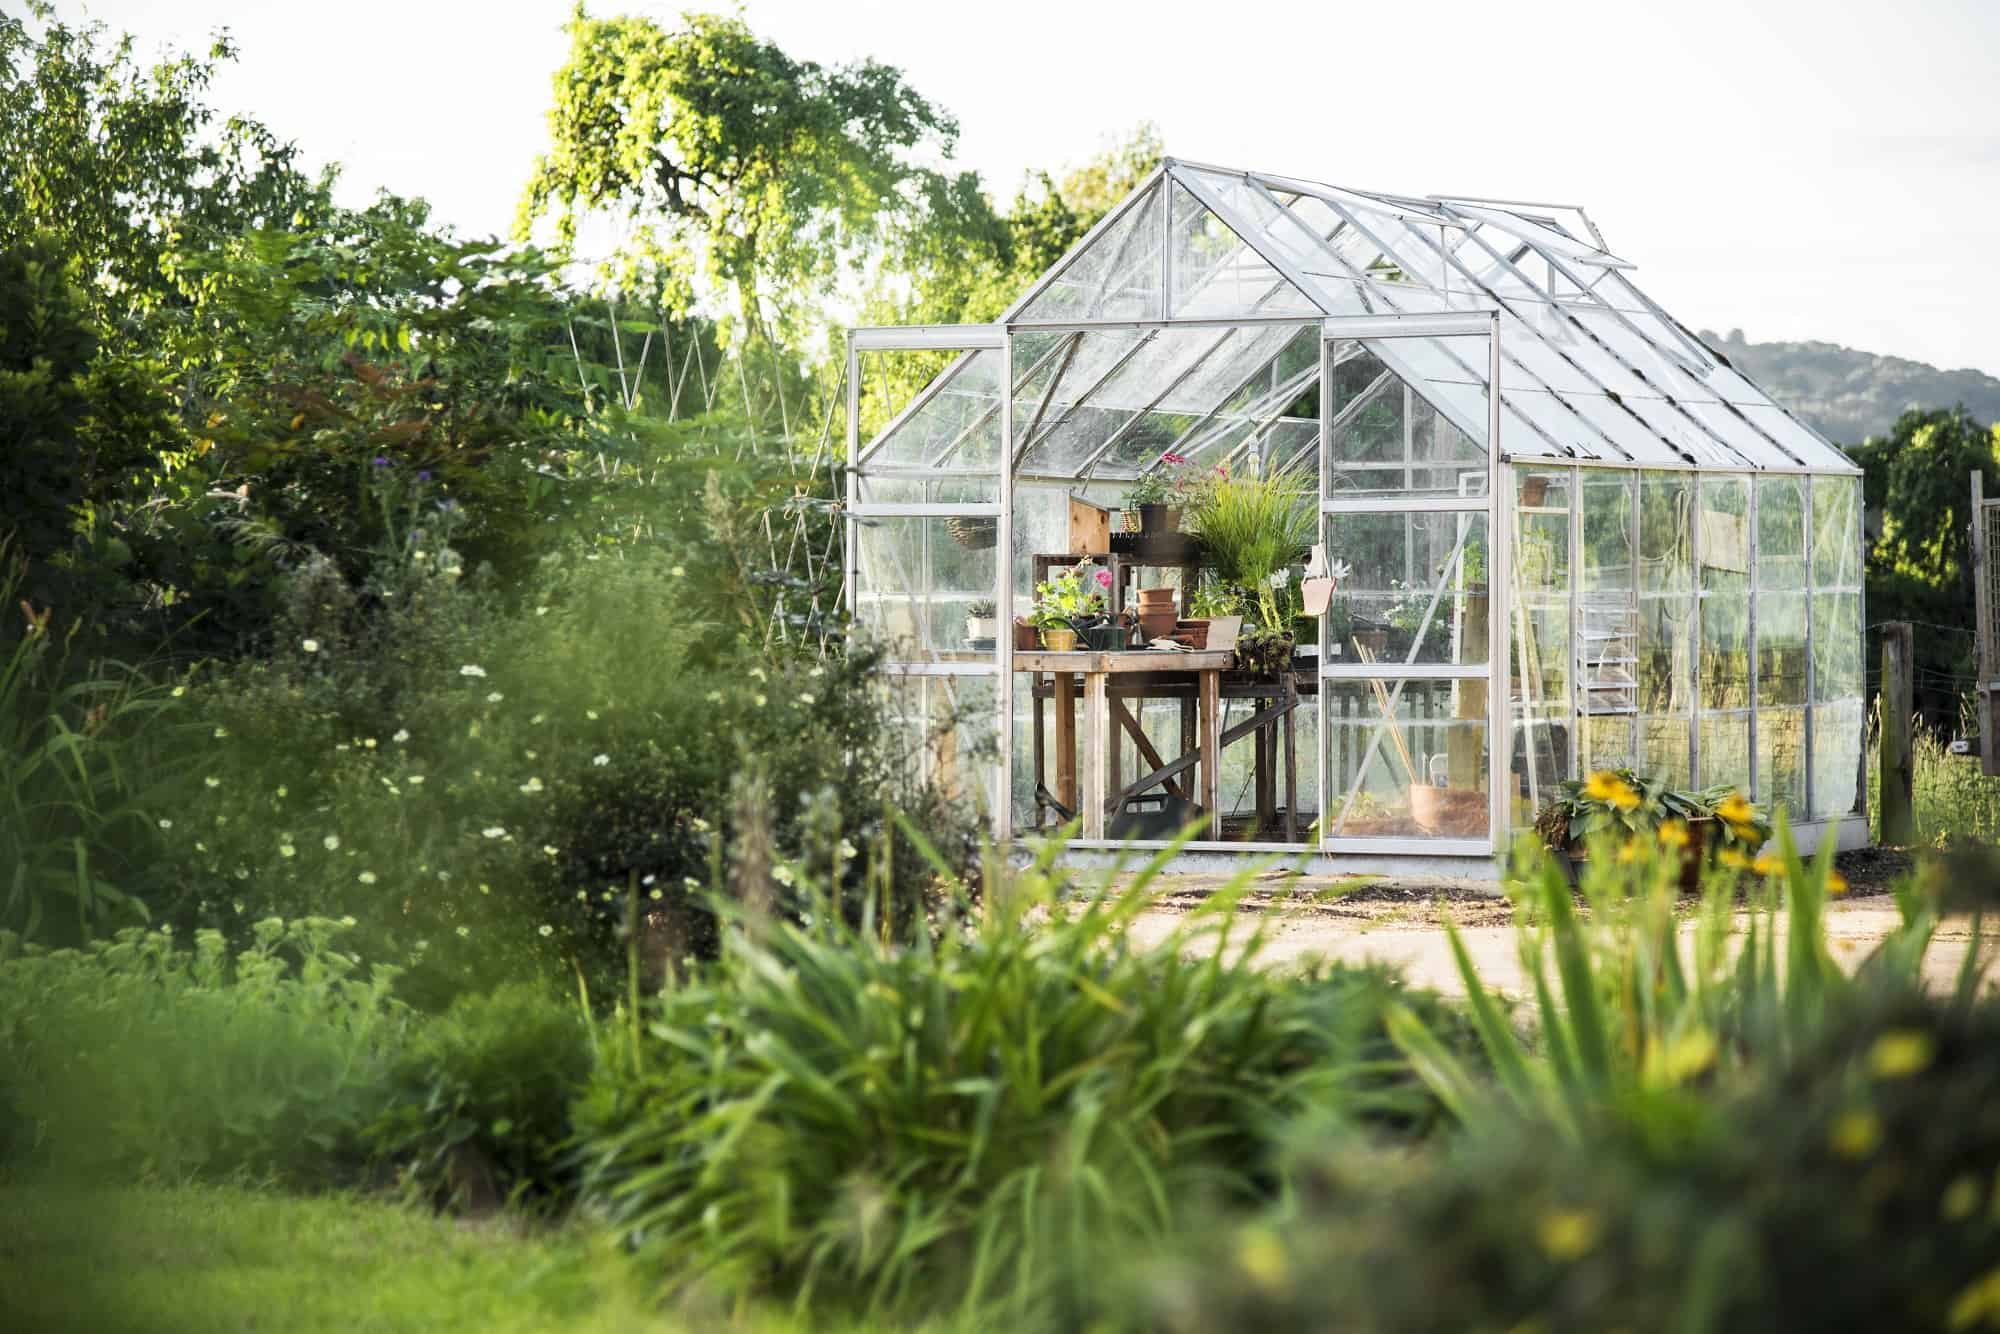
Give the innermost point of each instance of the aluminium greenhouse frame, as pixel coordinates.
(1465, 354)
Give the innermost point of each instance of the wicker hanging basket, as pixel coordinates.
(973, 534)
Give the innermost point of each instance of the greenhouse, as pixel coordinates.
(1546, 531)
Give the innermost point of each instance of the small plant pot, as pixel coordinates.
(1059, 639)
(1196, 633)
(1534, 490)
(981, 627)
(1159, 519)
(1024, 636)
(1129, 521)
(1694, 855)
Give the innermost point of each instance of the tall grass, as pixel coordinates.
(1954, 801)
(81, 783)
(961, 1119)
(1628, 1008)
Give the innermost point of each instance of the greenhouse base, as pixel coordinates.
(1230, 858)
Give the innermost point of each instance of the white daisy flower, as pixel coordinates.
(472, 669)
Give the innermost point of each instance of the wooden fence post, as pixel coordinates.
(1899, 810)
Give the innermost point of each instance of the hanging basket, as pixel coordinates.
(973, 534)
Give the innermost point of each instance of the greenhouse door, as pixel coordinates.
(928, 520)
(1409, 645)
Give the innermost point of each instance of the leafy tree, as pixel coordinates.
(116, 162)
(732, 160)
(1920, 564)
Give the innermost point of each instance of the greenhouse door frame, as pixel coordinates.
(1496, 507)
(966, 339)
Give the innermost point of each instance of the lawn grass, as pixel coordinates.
(218, 1258)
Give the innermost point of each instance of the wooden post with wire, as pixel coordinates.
(1898, 800)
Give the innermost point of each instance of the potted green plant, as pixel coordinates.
(1168, 489)
(981, 623)
(1255, 528)
(1718, 820)
(1068, 601)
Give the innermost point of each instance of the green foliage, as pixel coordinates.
(1252, 528)
(137, 1056)
(1920, 566)
(853, 1119)
(1072, 596)
(1630, 1014)
(1848, 1184)
(116, 162)
(736, 161)
(83, 776)
(1620, 801)
(479, 1100)
(479, 784)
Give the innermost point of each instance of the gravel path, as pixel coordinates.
(1400, 921)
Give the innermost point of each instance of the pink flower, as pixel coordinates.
(1171, 457)
(1104, 578)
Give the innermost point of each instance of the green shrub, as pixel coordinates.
(861, 1120)
(1854, 1185)
(479, 785)
(137, 1056)
(479, 1100)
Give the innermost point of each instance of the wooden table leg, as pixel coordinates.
(1266, 788)
(1211, 750)
(1096, 739)
(1041, 746)
(1065, 703)
(1291, 761)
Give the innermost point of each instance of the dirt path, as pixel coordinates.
(1400, 922)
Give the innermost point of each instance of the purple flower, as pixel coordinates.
(424, 475)
(381, 461)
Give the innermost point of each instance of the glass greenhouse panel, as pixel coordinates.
(1725, 751)
(1406, 759)
(1836, 647)
(1781, 649)
(946, 731)
(1836, 541)
(1217, 275)
(1118, 276)
(1386, 436)
(1781, 533)
(937, 408)
(1417, 590)
(1781, 759)
(1836, 758)
(916, 580)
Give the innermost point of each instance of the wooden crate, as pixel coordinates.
(1089, 528)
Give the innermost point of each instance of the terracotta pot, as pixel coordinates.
(1534, 490)
(1024, 636)
(1694, 854)
(1195, 631)
(1155, 623)
(1059, 639)
(1450, 812)
(1152, 597)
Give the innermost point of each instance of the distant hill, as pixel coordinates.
(1852, 395)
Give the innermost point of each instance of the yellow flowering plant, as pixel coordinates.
(1620, 800)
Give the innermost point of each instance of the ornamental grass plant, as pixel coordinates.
(978, 1117)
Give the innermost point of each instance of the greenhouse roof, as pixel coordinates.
(1198, 295)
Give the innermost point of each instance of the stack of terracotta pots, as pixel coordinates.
(1157, 613)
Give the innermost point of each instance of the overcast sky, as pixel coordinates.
(1800, 168)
